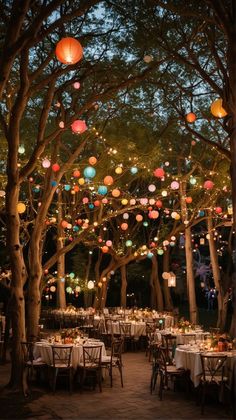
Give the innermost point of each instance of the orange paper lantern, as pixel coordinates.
(188, 200)
(69, 51)
(124, 226)
(92, 160)
(116, 193)
(217, 109)
(191, 117)
(108, 180)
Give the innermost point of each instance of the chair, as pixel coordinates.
(212, 374)
(31, 365)
(125, 332)
(115, 359)
(167, 371)
(150, 338)
(91, 366)
(155, 366)
(169, 342)
(160, 323)
(61, 365)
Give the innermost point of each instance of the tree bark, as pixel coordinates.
(61, 293)
(123, 294)
(156, 283)
(166, 289)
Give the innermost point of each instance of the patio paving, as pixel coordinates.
(131, 402)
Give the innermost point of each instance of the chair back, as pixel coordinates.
(125, 329)
(61, 356)
(150, 328)
(212, 367)
(160, 323)
(27, 348)
(92, 356)
(116, 348)
(169, 342)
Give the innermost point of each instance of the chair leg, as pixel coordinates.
(54, 380)
(203, 398)
(71, 381)
(99, 378)
(111, 378)
(161, 386)
(121, 375)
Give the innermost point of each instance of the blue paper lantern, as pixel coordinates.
(67, 187)
(89, 172)
(150, 255)
(36, 189)
(102, 189)
(133, 170)
(91, 206)
(201, 213)
(54, 183)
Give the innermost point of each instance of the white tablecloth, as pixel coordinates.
(44, 351)
(182, 338)
(190, 359)
(137, 328)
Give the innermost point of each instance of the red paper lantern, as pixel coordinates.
(79, 126)
(218, 210)
(188, 200)
(64, 224)
(97, 203)
(55, 167)
(208, 185)
(108, 180)
(105, 249)
(69, 51)
(159, 204)
(159, 172)
(191, 117)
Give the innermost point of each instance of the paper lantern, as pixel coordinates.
(108, 180)
(105, 249)
(124, 226)
(159, 204)
(89, 172)
(174, 185)
(150, 255)
(153, 214)
(55, 167)
(159, 173)
(126, 216)
(152, 188)
(85, 200)
(76, 188)
(208, 185)
(92, 160)
(143, 201)
(191, 117)
(76, 173)
(139, 218)
(69, 289)
(218, 210)
(69, 51)
(81, 181)
(173, 214)
(192, 180)
(79, 126)
(116, 193)
(61, 124)
(124, 201)
(148, 59)
(2, 193)
(108, 243)
(64, 224)
(53, 183)
(46, 163)
(160, 251)
(132, 202)
(97, 203)
(104, 200)
(100, 284)
(134, 170)
(21, 207)
(76, 85)
(217, 109)
(90, 284)
(128, 243)
(172, 280)
(165, 275)
(145, 224)
(102, 189)
(177, 217)
(77, 289)
(188, 200)
(118, 170)
(230, 209)
(67, 187)
(21, 149)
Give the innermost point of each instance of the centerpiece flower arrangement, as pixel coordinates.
(70, 334)
(184, 325)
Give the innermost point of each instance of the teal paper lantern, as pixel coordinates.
(75, 228)
(72, 275)
(54, 183)
(150, 255)
(201, 213)
(133, 170)
(89, 172)
(67, 187)
(128, 243)
(91, 206)
(102, 189)
(145, 224)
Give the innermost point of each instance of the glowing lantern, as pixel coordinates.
(132, 202)
(143, 201)
(85, 200)
(152, 188)
(21, 149)
(64, 224)
(81, 181)
(102, 189)
(21, 207)
(118, 170)
(89, 172)
(150, 255)
(173, 214)
(79, 126)
(153, 214)
(46, 163)
(159, 173)
(159, 204)
(128, 243)
(92, 160)
(139, 218)
(77, 289)
(116, 193)
(54, 183)
(105, 249)
(124, 201)
(230, 209)
(133, 170)
(217, 109)
(191, 117)
(104, 200)
(97, 203)
(152, 201)
(148, 59)
(174, 185)
(188, 200)
(208, 185)
(145, 224)
(126, 216)
(76, 188)
(100, 284)
(218, 210)
(172, 280)
(124, 226)
(61, 124)
(76, 173)
(2, 193)
(108, 243)
(165, 275)
(108, 180)
(192, 180)
(90, 284)
(55, 167)
(76, 85)
(69, 51)
(164, 193)
(160, 251)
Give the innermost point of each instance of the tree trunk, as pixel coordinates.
(222, 309)
(123, 295)
(156, 283)
(189, 258)
(61, 293)
(166, 289)
(152, 293)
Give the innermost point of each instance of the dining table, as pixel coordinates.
(188, 357)
(43, 350)
(138, 328)
(188, 337)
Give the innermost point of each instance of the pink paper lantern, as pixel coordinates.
(143, 201)
(76, 85)
(208, 185)
(108, 243)
(79, 126)
(61, 124)
(104, 201)
(174, 185)
(85, 200)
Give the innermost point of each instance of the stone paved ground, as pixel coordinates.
(132, 402)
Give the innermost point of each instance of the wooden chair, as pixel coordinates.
(155, 366)
(61, 364)
(160, 323)
(114, 360)
(212, 374)
(91, 366)
(125, 333)
(169, 342)
(150, 338)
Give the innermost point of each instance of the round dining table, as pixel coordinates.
(138, 328)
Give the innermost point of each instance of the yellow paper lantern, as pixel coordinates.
(81, 181)
(217, 109)
(21, 207)
(124, 201)
(118, 170)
